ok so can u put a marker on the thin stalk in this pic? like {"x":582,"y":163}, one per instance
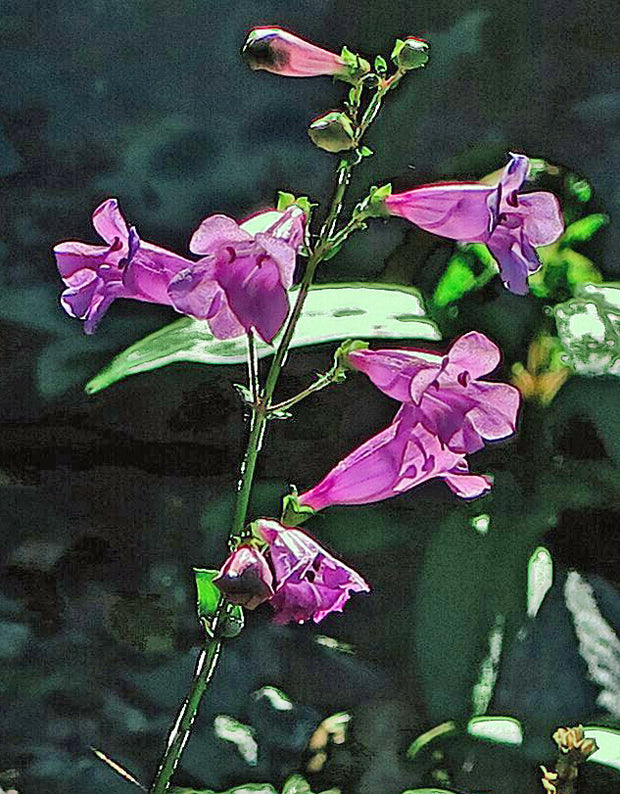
{"x":208,"y":657}
{"x":177,"y":739}
{"x":320,"y":383}
{"x":253,"y":381}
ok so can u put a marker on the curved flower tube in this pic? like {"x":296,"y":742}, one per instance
{"x":397,"y":459}
{"x":280,"y":52}
{"x":295,"y":574}
{"x":512,"y":224}
{"x":125,"y":267}
{"x":242,"y":281}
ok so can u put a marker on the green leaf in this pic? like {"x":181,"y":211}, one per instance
{"x":331,"y":313}
{"x":208,"y":593}
{"x":589,"y":329}
{"x":296,"y":785}
{"x":583,"y":229}
{"x":499,"y":730}
{"x":608,"y":741}
{"x":455,"y":282}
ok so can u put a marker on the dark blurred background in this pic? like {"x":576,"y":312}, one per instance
{"x":108,"y":501}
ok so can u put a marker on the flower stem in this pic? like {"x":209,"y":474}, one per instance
{"x":177,"y":739}
{"x":209,"y":655}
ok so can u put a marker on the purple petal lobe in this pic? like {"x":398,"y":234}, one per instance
{"x":109,"y":222}
{"x":214,"y":231}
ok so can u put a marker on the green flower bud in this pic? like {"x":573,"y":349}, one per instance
{"x":332,"y":132}
{"x":412,"y":53}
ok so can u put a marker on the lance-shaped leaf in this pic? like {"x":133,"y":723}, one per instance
{"x":331,"y":312}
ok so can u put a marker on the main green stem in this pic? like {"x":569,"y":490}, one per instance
{"x":208,"y":657}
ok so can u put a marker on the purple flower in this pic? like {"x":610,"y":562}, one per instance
{"x":126,"y":267}
{"x":397,"y":459}
{"x":445,"y":393}
{"x":283,"y":53}
{"x":245,"y":578}
{"x":242,"y":281}
{"x":446,"y":413}
{"x":309,"y":582}
{"x":512,"y":224}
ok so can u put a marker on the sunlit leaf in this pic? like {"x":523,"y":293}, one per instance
{"x":608,"y":741}
{"x":500,"y":730}
{"x":455,"y":282}
{"x":332,"y":312}
{"x":583,"y":229}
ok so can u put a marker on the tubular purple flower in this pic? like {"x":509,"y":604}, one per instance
{"x":280,"y":52}
{"x":397,"y":459}
{"x":245,"y":578}
{"x":242,"y":281}
{"x":512,"y":224}
{"x":300,"y":579}
{"x":446,"y":413}
{"x":126,"y":267}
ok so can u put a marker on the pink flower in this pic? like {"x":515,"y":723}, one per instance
{"x":446,"y":413}
{"x":397,"y":459}
{"x":283,"y":53}
{"x":126,"y":267}
{"x":309,"y":582}
{"x":242,"y":281}
{"x":512,"y":224}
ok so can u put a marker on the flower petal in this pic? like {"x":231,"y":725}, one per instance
{"x":109,"y":222}
{"x":466,"y":485}
{"x":214,"y":231}
{"x":515,"y":257}
{"x":254,"y":292}
{"x":542,"y":217}
{"x":513,"y":177}
{"x":73,"y":256}
{"x":475,"y":354}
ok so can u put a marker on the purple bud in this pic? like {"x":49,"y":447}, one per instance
{"x":245,"y":578}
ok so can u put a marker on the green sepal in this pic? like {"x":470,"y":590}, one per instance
{"x":341,"y":361}
{"x":356,"y":67}
{"x":410,"y":53}
{"x":294,"y":514}
{"x":209,"y":595}
{"x":365,"y":151}
{"x":375,"y":203}
{"x":332,"y":132}
{"x":286,"y":200}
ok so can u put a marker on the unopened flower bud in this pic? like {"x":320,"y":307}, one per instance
{"x":332,"y":132}
{"x":410,"y":53}
{"x":245,"y":578}
{"x":280,"y":52}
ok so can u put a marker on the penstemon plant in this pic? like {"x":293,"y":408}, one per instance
{"x":241,"y":286}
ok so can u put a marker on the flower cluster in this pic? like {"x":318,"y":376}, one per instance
{"x":289,"y":569}
{"x":239,"y":284}
{"x":238,"y":281}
